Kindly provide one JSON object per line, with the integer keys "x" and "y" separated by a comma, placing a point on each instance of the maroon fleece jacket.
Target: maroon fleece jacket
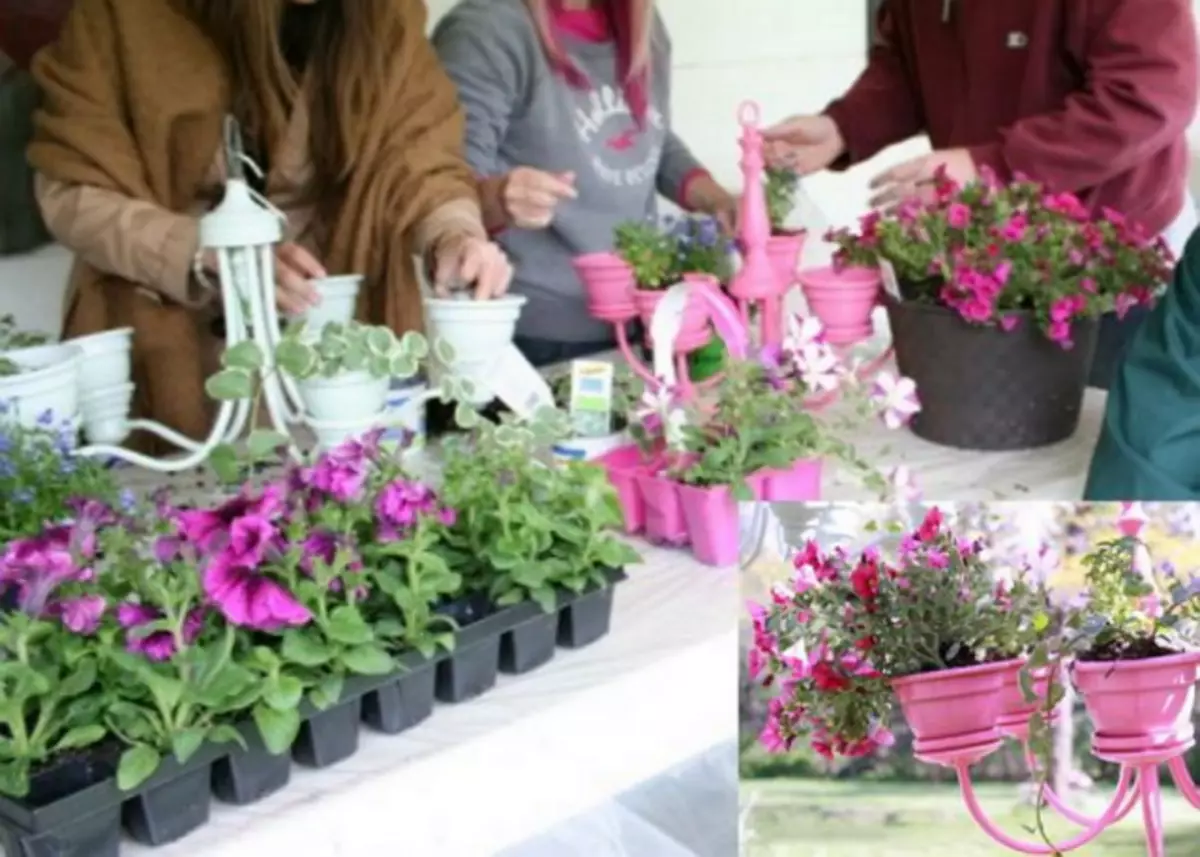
{"x": 1087, "y": 96}
{"x": 27, "y": 26}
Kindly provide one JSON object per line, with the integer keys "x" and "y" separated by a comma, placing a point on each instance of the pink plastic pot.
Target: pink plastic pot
{"x": 957, "y": 707}
{"x": 800, "y": 483}
{"x": 693, "y": 333}
{"x": 1014, "y": 710}
{"x": 1150, "y": 699}
{"x": 609, "y": 284}
{"x": 623, "y": 465}
{"x": 712, "y": 520}
{"x": 842, "y": 300}
{"x": 665, "y": 523}
{"x": 784, "y": 252}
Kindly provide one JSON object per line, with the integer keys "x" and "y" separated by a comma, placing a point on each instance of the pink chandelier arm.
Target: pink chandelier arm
{"x": 1075, "y": 817}
{"x": 1099, "y": 826}
{"x": 1151, "y": 810}
{"x": 1183, "y": 781}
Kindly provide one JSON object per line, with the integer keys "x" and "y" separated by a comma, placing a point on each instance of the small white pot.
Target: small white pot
{"x": 588, "y": 448}
{"x": 49, "y": 384}
{"x": 107, "y": 359}
{"x": 333, "y": 433}
{"x": 339, "y": 296}
{"x": 406, "y": 412}
{"x": 478, "y": 331}
{"x": 105, "y": 414}
{"x": 349, "y": 397}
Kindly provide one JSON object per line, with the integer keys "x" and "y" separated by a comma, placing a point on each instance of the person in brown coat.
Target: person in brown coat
{"x": 343, "y": 104}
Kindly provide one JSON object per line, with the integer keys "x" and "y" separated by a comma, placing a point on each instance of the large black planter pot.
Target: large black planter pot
{"x": 84, "y": 824}
{"x": 248, "y": 775}
{"x": 404, "y": 702}
{"x": 330, "y": 736}
{"x": 986, "y": 389}
{"x": 1113, "y": 341}
{"x": 175, "y": 802}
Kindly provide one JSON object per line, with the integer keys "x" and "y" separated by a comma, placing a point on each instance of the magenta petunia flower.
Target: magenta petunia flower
{"x": 157, "y": 645}
{"x": 82, "y": 615}
{"x": 250, "y": 599}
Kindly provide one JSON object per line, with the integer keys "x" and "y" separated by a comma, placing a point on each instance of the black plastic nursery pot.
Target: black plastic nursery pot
{"x": 983, "y": 388}
{"x": 175, "y": 801}
{"x": 586, "y": 617}
{"x": 330, "y": 736}
{"x": 531, "y": 641}
{"x": 70, "y": 818}
{"x": 471, "y": 669}
{"x": 249, "y": 774}
{"x": 405, "y": 700}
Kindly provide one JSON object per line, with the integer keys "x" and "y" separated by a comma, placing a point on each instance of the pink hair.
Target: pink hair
{"x": 631, "y": 22}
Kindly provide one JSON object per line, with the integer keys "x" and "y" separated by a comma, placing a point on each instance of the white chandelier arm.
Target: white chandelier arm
{"x": 167, "y": 465}
{"x": 290, "y": 403}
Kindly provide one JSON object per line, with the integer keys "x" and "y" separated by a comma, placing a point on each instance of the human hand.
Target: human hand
{"x": 295, "y": 269}
{"x": 706, "y": 196}
{"x": 806, "y": 144}
{"x": 916, "y": 178}
{"x": 462, "y": 260}
{"x": 529, "y": 197}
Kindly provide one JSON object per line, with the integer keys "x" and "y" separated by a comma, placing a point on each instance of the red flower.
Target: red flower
{"x": 828, "y": 679}
{"x": 865, "y": 644}
{"x": 864, "y": 580}
{"x": 931, "y": 526}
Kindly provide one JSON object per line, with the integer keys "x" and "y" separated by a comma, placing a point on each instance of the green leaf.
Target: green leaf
{"x": 402, "y": 366}
{"x": 230, "y": 681}
{"x": 138, "y": 764}
{"x": 14, "y": 778}
{"x": 347, "y": 626}
{"x": 380, "y": 340}
{"x": 1028, "y": 692}
{"x": 167, "y": 691}
{"x": 283, "y": 693}
{"x": 77, "y": 682}
{"x": 230, "y": 385}
{"x": 1041, "y": 622}
{"x": 277, "y": 728}
{"x": 226, "y": 463}
{"x": 304, "y": 649}
{"x": 185, "y": 743}
{"x": 296, "y": 358}
{"x": 263, "y": 443}
{"x": 226, "y": 734}
{"x": 327, "y": 693}
{"x": 444, "y": 351}
{"x": 414, "y": 345}
{"x": 368, "y": 660}
{"x": 81, "y": 736}
{"x": 245, "y": 356}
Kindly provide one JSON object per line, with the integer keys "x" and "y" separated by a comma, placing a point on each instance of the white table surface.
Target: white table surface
{"x": 535, "y": 751}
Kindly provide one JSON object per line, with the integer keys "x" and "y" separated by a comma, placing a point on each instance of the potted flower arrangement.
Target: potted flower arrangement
{"x": 36, "y": 377}
{"x": 785, "y": 245}
{"x": 929, "y": 628}
{"x": 999, "y": 289}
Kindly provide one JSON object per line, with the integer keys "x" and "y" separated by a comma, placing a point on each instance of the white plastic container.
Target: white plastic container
{"x": 105, "y": 414}
{"x": 478, "y": 331}
{"x": 406, "y": 412}
{"x": 49, "y": 384}
{"x": 346, "y": 398}
{"x": 339, "y": 296}
{"x": 107, "y": 360}
{"x": 587, "y": 448}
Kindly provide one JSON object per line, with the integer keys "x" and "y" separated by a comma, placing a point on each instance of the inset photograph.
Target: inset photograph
{"x": 962, "y": 680}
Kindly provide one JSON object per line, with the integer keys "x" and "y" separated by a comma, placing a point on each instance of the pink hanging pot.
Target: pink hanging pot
{"x": 608, "y": 283}
{"x": 623, "y": 465}
{"x": 799, "y": 483}
{"x": 711, "y": 513}
{"x": 1138, "y": 706}
{"x": 665, "y": 522}
{"x": 955, "y": 708}
{"x": 842, "y": 301}
{"x": 784, "y": 249}
{"x": 1014, "y": 710}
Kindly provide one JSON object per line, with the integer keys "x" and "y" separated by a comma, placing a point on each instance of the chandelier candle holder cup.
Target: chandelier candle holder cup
{"x": 327, "y": 373}
{"x": 978, "y": 657}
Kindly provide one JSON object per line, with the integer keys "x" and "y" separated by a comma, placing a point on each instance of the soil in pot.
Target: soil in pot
{"x": 985, "y": 388}
{"x": 403, "y": 703}
{"x": 248, "y": 775}
{"x": 72, "y": 772}
{"x": 330, "y": 736}
{"x": 530, "y": 644}
{"x": 472, "y": 668}
{"x": 172, "y": 807}
{"x": 1140, "y": 649}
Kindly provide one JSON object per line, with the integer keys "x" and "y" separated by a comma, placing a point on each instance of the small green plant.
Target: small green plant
{"x": 351, "y": 347}
{"x": 649, "y": 251}
{"x": 782, "y": 187}
{"x": 11, "y": 339}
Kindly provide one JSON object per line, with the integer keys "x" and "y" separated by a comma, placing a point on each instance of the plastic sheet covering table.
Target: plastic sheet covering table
{"x": 594, "y": 728}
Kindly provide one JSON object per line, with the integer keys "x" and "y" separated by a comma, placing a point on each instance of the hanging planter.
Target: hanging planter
{"x": 954, "y": 707}
{"x": 994, "y": 296}
{"x": 1139, "y": 706}
{"x": 1015, "y": 709}
{"x": 609, "y": 283}
{"x": 843, "y": 300}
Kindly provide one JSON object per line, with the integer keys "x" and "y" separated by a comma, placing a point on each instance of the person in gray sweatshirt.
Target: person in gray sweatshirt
{"x": 568, "y": 108}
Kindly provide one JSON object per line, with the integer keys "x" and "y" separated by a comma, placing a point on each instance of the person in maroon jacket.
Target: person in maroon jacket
{"x": 1087, "y": 96}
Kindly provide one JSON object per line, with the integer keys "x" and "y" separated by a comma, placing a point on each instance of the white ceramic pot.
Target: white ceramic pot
{"x": 478, "y": 331}
{"x": 406, "y": 412}
{"x": 333, "y": 433}
{"x": 349, "y": 397}
{"x": 105, "y": 414}
{"x": 587, "y": 448}
{"x": 107, "y": 360}
{"x": 49, "y": 384}
{"x": 339, "y": 295}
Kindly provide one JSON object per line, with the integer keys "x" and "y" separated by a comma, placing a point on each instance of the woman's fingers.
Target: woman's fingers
{"x": 295, "y": 269}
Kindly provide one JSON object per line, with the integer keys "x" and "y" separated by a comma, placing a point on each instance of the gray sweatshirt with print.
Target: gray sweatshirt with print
{"x": 520, "y": 113}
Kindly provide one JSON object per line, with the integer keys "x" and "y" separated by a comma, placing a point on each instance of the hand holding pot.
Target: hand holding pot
{"x": 529, "y": 197}
{"x": 806, "y": 144}
{"x": 295, "y": 269}
{"x": 462, "y": 261}
{"x": 915, "y": 178}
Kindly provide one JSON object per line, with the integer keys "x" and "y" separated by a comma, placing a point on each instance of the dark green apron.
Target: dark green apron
{"x": 1149, "y": 446}
{"x": 21, "y": 227}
